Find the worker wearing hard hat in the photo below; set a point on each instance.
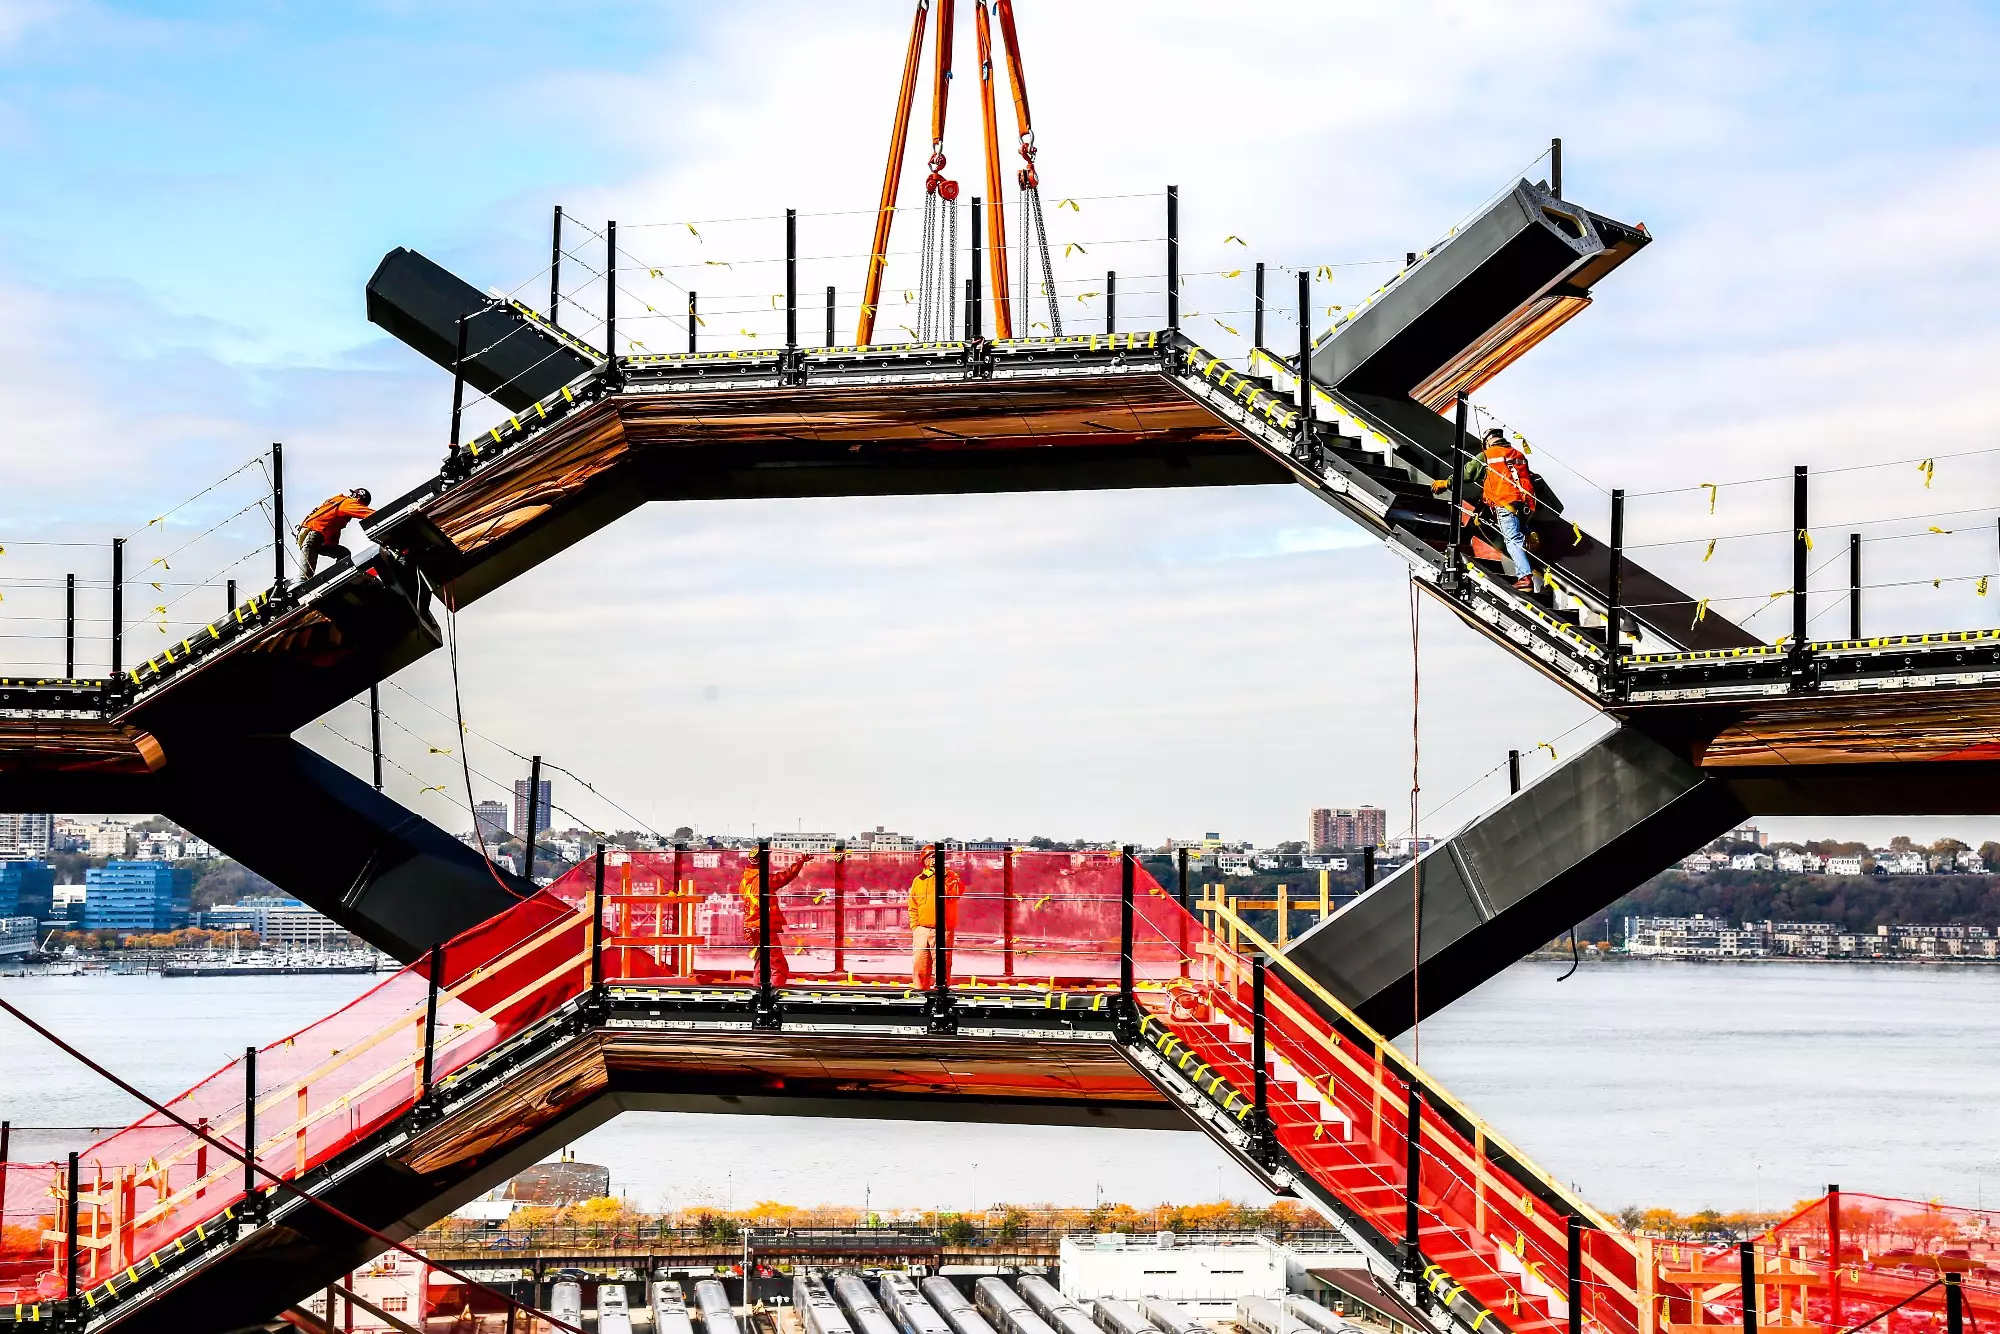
(753, 908)
(1508, 489)
(923, 916)
(319, 534)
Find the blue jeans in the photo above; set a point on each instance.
(1512, 532)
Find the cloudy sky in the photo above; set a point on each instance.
(197, 194)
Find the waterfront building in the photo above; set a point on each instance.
(27, 835)
(27, 888)
(1904, 863)
(541, 795)
(281, 923)
(1347, 827)
(17, 936)
(1694, 937)
(1750, 861)
(135, 896)
(1844, 865)
(1799, 863)
(879, 839)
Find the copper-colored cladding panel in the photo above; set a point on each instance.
(76, 745)
(778, 1064)
(823, 422)
(539, 1096)
(1846, 729)
(522, 489)
(976, 1068)
(1506, 343)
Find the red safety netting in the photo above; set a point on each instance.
(1894, 1260)
(1052, 918)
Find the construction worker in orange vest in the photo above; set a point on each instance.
(923, 916)
(753, 906)
(319, 535)
(1507, 487)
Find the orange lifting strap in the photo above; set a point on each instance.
(937, 187)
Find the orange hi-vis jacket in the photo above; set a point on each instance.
(923, 897)
(331, 515)
(1507, 480)
(753, 903)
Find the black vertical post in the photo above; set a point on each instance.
(1367, 868)
(1128, 1003)
(967, 326)
(692, 321)
(6, 1137)
(375, 731)
(229, 595)
(1413, 1138)
(555, 267)
(766, 997)
(829, 317)
(1575, 1294)
(457, 396)
(69, 632)
(1800, 552)
(278, 514)
(1854, 585)
(1183, 859)
(1111, 301)
(1513, 771)
(1173, 257)
(117, 607)
(1752, 1298)
(791, 280)
(69, 1228)
(1614, 600)
(1260, 1079)
(534, 815)
(436, 969)
(249, 1125)
(597, 928)
(1455, 460)
(611, 296)
(1305, 354)
(1556, 168)
(975, 300)
(1257, 314)
(941, 1020)
(1954, 1301)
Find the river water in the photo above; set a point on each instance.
(1656, 1083)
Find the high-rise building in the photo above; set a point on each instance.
(26, 835)
(134, 896)
(1348, 827)
(491, 818)
(521, 807)
(27, 888)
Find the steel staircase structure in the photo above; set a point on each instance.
(1714, 725)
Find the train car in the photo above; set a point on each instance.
(614, 1311)
(907, 1306)
(670, 1308)
(1116, 1317)
(1168, 1318)
(566, 1302)
(817, 1309)
(1004, 1307)
(864, 1313)
(1317, 1318)
(949, 1302)
(712, 1300)
(1261, 1315)
(1062, 1314)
